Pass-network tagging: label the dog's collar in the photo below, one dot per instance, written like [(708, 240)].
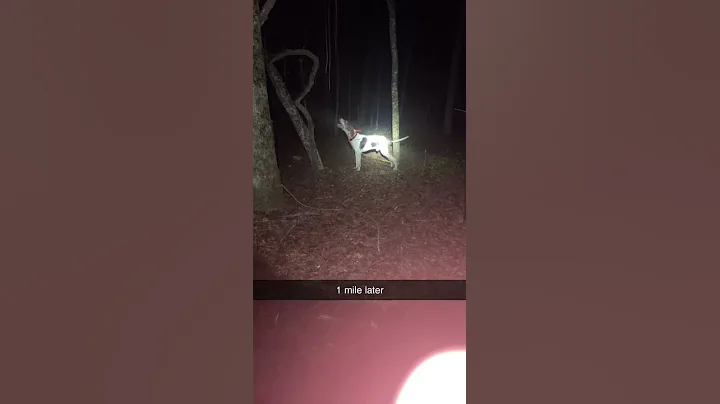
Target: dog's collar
[(355, 132)]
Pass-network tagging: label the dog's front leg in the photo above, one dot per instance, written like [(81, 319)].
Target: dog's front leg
[(358, 156)]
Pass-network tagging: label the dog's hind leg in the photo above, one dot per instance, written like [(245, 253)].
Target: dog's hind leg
[(386, 153)]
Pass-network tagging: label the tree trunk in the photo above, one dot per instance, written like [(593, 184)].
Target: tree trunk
[(452, 82), (394, 80), (267, 189), (337, 65), (295, 107)]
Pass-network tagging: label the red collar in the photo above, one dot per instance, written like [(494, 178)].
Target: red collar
[(355, 132)]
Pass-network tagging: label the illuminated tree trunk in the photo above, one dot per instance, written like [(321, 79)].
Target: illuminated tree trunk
[(394, 80)]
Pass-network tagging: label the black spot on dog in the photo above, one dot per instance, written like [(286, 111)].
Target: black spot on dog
[(362, 142), (374, 144)]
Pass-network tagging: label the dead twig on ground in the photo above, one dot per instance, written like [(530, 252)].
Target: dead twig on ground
[(377, 225), (300, 214), (302, 204), (288, 232)]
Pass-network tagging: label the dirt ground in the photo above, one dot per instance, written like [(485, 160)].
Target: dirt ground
[(374, 224), (327, 352)]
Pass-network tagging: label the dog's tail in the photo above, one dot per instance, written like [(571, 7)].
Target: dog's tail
[(399, 140)]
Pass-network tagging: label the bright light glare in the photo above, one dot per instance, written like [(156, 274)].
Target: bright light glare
[(439, 379)]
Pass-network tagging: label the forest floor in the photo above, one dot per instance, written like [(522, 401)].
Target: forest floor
[(375, 224)]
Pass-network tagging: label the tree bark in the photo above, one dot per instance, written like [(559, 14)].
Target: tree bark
[(295, 107), (452, 82), (394, 80), (267, 189), (337, 66)]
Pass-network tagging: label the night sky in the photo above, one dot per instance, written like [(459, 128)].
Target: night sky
[(426, 33)]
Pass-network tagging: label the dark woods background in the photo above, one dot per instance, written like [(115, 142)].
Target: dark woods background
[(359, 30)]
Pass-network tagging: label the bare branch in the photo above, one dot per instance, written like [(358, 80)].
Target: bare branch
[(308, 118), (313, 72), (286, 99), (294, 107), (267, 7), (310, 84)]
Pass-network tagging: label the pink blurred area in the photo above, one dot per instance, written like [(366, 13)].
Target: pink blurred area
[(355, 352)]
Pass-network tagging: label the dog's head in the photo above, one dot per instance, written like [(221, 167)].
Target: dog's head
[(346, 127)]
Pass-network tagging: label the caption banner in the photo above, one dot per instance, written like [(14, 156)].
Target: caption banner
[(359, 290)]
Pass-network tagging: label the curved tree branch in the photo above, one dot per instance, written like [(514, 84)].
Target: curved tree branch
[(267, 7), (313, 72), (310, 84), (305, 127), (308, 118)]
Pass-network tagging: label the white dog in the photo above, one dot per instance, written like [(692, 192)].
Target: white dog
[(364, 143)]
